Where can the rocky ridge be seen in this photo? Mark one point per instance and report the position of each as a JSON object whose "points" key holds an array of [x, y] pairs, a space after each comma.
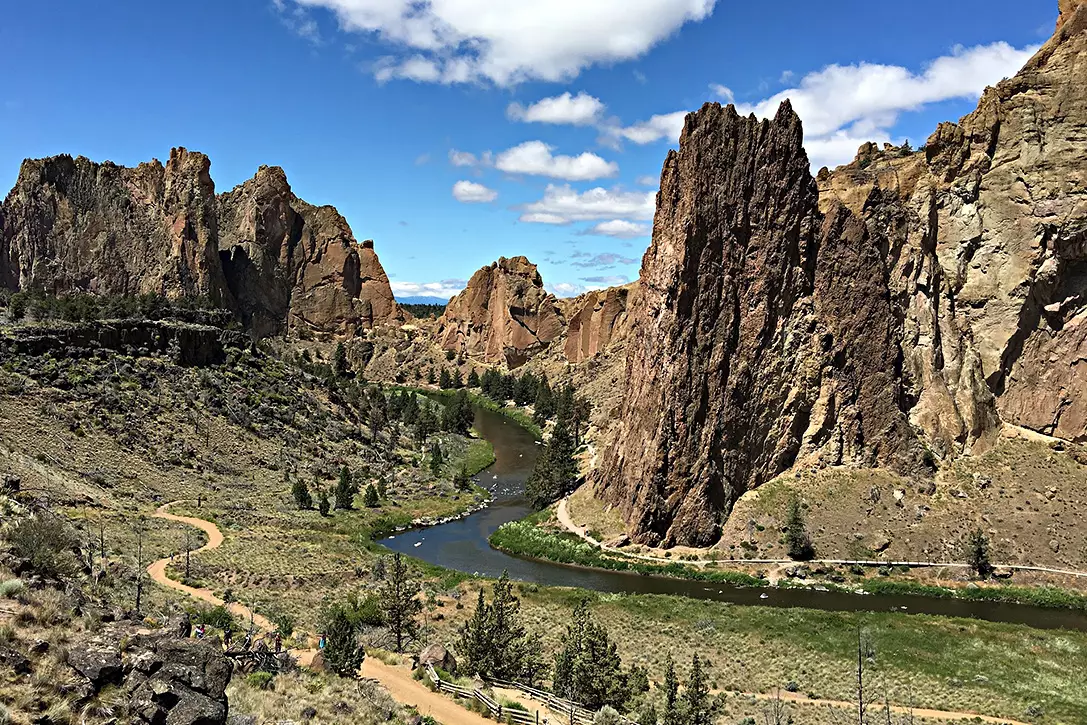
{"points": [[281, 264], [892, 313]]}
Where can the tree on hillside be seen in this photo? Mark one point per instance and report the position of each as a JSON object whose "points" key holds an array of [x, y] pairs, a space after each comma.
{"points": [[473, 379], [302, 498], [430, 375], [555, 473], [342, 651], [588, 668], [696, 697], [459, 415], [977, 553], [426, 424], [323, 506], [461, 479], [399, 602], [672, 714], [339, 361], [371, 499], [544, 406], [345, 490], [495, 643], [458, 381], [445, 380], [797, 539], [436, 459]]}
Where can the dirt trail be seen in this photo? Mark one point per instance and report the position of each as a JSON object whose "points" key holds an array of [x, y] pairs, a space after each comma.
{"points": [[400, 684], [157, 570]]}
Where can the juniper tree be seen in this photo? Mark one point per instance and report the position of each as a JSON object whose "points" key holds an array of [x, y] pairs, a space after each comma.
{"points": [[495, 643], [671, 715], [588, 668], [445, 380], [339, 361], [371, 498], [342, 651], [302, 498], [473, 379], [399, 602], [345, 490], [696, 697], [436, 459], [977, 553], [797, 539], [458, 381], [323, 507]]}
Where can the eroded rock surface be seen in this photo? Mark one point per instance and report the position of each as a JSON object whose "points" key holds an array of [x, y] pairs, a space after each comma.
{"points": [[279, 263], [504, 315], [594, 321]]}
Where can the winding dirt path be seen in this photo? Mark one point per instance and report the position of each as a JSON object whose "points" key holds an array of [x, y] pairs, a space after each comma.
{"points": [[157, 570]]}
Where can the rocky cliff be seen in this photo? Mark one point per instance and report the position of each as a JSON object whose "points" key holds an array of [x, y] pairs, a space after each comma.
{"points": [[594, 321], [890, 314], [280, 263], [504, 315]]}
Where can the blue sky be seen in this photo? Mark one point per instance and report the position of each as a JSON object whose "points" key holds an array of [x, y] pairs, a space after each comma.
{"points": [[455, 131]]}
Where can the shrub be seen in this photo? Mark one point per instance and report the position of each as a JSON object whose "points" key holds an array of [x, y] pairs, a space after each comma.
{"points": [[46, 542], [12, 588], [218, 617], [260, 680]]}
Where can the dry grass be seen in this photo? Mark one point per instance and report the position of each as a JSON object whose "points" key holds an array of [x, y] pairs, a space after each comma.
{"points": [[302, 696]]}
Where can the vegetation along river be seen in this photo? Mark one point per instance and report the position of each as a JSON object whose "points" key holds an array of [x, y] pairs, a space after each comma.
{"points": [[463, 545]]}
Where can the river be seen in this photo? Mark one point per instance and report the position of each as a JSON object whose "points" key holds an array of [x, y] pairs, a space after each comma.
{"points": [[463, 545]]}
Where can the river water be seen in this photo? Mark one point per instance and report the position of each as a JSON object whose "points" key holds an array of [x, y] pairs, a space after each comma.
{"points": [[463, 545]]}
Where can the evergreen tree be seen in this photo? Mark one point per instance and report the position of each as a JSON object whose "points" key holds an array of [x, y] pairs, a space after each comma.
{"points": [[430, 375], [435, 459], [345, 491], [473, 379], [474, 644], [977, 553], [797, 539], [371, 498], [461, 479], [539, 486], [339, 361], [342, 651], [494, 641], [399, 602], [382, 492], [426, 424], [323, 507], [671, 715], [410, 409], [459, 415], [696, 697], [458, 381], [302, 498], [445, 380], [588, 668], [544, 406]]}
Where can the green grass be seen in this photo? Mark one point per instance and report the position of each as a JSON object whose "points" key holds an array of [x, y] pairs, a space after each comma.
{"points": [[1035, 596], [480, 455], [527, 538]]}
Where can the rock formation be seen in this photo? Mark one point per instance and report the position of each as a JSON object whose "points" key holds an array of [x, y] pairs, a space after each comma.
{"points": [[72, 224], [258, 250], [594, 320], [890, 314], [504, 315], [745, 350], [287, 260]]}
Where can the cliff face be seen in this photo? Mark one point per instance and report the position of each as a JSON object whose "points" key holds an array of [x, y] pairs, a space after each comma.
{"points": [[280, 263], [504, 315], [72, 224], [987, 246], [891, 314], [744, 351], [594, 321], [294, 263]]}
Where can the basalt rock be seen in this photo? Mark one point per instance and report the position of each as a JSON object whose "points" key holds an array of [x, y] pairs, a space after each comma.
{"points": [[280, 264], [763, 332], [504, 315], [594, 321]]}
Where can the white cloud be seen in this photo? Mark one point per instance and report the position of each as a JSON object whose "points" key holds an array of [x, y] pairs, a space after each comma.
{"points": [[563, 204], [723, 93], [466, 158], [534, 158], [620, 229], [843, 106], [508, 42], [647, 180], [470, 192], [579, 110], [566, 289], [445, 288]]}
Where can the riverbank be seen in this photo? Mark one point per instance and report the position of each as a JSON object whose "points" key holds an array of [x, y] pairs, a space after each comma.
{"points": [[515, 414], [542, 536]]}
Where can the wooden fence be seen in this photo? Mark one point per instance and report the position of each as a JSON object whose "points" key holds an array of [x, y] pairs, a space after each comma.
{"points": [[567, 711]]}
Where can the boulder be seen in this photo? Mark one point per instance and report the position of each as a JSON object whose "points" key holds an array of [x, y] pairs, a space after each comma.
{"points": [[98, 659], [438, 656]]}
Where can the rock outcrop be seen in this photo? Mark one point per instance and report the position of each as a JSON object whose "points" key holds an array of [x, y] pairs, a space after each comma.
{"points": [[594, 321], [72, 224], [287, 260], [279, 263], [504, 315], [892, 313], [763, 332]]}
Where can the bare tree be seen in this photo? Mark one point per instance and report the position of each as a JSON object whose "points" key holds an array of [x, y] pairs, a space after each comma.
{"points": [[140, 530], [773, 712], [188, 550], [865, 655]]}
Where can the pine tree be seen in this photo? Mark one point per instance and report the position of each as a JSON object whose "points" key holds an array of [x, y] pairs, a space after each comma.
{"points": [[544, 407], [671, 715], [495, 643], [342, 651], [436, 459], [697, 697], [459, 414], [430, 375], [323, 507], [461, 479], [382, 491], [371, 498], [474, 644], [345, 491], [588, 668], [445, 380], [426, 425], [977, 553], [339, 361], [458, 381], [473, 379], [399, 602], [797, 539], [302, 498]]}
